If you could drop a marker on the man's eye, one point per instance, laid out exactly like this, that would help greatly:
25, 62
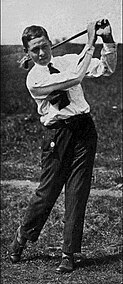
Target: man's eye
35, 50
45, 46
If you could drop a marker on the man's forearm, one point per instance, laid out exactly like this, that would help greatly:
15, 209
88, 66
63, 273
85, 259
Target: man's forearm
43, 91
83, 66
76, 79
108, 39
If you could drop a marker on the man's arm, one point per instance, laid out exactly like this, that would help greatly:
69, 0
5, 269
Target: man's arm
107, 63
67, 79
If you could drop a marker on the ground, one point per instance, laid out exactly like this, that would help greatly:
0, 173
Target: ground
100, 260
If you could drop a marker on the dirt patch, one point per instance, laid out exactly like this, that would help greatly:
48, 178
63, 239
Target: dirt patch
33, 185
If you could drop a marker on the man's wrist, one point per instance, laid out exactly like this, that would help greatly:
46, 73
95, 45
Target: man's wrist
109, 48
108, 39
90, 48
91, 43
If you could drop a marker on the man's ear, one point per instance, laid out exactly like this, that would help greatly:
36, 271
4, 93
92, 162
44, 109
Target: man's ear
50, 43
25, 50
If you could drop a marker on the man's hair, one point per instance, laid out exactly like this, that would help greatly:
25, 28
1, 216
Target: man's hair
31, 33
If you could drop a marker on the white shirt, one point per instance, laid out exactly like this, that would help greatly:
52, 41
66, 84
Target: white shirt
39, 76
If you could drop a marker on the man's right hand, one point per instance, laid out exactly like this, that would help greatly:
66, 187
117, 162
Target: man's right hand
92, 37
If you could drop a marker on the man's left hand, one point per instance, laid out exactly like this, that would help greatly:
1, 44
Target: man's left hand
103, 29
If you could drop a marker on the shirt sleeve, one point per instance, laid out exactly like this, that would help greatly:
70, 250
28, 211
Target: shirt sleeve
68, 71
106, 64
72, 64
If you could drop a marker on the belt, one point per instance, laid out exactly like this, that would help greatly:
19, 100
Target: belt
69, 121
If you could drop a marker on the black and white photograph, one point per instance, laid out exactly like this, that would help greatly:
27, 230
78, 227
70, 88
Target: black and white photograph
61, 142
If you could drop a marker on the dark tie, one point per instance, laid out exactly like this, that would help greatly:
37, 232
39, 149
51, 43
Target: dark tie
57, 96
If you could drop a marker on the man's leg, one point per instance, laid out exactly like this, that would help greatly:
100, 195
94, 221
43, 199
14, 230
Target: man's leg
78, 186
56, 159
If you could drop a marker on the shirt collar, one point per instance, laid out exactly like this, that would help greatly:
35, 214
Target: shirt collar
44, 67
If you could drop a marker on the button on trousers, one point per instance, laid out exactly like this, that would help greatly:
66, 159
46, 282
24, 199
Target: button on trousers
67, 159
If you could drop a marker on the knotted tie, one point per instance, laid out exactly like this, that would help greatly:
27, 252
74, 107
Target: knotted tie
57, 96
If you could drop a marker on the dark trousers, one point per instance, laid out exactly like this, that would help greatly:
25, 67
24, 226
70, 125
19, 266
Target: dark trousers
67, 159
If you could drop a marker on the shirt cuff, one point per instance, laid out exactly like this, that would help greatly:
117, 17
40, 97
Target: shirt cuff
88, 49
109, 47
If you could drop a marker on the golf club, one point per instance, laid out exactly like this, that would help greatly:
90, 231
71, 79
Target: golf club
70, 38
102, 24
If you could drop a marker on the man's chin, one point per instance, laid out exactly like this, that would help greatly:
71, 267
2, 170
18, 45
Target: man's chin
43, 62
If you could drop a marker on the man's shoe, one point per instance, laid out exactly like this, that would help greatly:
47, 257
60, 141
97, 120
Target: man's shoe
17, 247
67, 264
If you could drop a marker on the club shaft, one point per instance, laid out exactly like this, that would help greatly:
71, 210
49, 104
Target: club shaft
71, 38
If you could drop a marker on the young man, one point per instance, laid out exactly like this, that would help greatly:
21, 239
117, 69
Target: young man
69, 150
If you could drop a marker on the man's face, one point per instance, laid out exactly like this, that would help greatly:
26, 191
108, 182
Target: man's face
39, 49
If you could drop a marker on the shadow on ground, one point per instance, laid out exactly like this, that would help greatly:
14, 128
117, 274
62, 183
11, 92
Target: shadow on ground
79, 261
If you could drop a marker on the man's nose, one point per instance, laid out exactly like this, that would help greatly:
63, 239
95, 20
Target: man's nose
41, 52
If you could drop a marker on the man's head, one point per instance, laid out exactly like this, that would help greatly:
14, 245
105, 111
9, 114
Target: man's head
37, 44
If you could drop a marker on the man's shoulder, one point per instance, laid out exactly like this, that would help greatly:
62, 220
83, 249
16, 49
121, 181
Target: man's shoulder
33, 75
35, 71
32, 71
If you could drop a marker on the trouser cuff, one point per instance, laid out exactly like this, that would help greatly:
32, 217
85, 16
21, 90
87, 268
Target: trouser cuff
30, 235
70, 250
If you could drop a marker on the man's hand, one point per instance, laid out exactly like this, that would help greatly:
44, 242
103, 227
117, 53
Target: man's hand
92, 37
103, 29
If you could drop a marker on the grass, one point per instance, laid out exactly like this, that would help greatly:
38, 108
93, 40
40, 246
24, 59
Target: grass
100, 261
